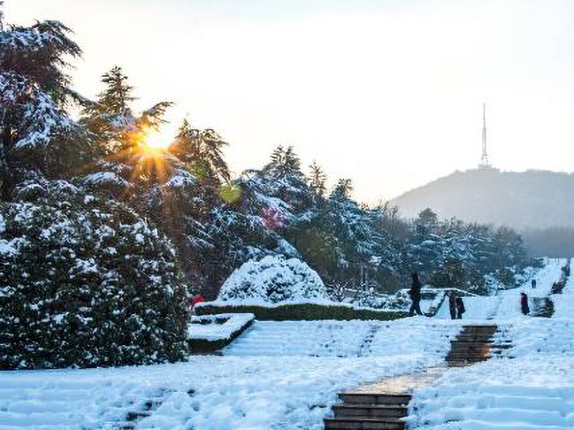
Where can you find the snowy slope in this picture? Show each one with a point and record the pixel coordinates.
(285, 375)
(533, 391)
(509, 307)
(506, 304)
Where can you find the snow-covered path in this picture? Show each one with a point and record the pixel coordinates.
(534, 390)
(506, 304)
(509, 308)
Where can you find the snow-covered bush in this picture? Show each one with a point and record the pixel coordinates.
(273, 279)
(85, 283)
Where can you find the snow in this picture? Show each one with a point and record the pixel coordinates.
(530, 387)
(285, 375)
(273, 279)
(101, 178)
(232, 392)
(345, 338)
(505, 305)
(213, 331)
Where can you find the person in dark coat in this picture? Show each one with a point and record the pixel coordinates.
(452, 305)
(460, 309)
(524, 304)
(415, 293)
(533, 283)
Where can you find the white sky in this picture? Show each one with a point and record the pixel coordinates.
(388, 93)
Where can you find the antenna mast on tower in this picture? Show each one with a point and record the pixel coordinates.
(484, 164)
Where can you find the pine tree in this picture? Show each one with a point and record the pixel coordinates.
(112, 121)
(35, 130)
(202, 151)
(1, 16)
(284, 162)
(317, 179)
(343, 189)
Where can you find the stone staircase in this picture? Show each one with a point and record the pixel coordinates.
(475, 344)
(384, 406)
(137, 412)
(369, 411)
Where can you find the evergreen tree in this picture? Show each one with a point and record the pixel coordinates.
(111, 120)
(284, 162)
(202, 151)
(89, 282)
(35, 130)
(317, 179)
(343, 189)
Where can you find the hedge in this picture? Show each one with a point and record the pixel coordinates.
(200, 346)
(303, 312)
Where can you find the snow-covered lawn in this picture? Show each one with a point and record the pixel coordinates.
(230, 392)
(527, 393)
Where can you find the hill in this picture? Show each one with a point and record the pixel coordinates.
(536, 203)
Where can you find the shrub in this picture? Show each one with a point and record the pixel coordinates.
(85, 283)
(273, 279)
(302, 312)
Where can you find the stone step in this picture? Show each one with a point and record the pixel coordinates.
(477, 333)
(465, 338)
(470, 342)
(471, 354)
(375, 399)
(137, 415)
(485, 347)
(473, 326)
(463, 357)
(371, 411)
(363, 424)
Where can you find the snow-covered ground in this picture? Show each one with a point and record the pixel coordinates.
(231, 392)
(506, 304)
(285, 375)
(530, 388)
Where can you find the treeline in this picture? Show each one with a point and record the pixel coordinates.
(215, 221)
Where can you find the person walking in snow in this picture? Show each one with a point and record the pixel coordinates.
(452, 304)
(460, 309)
(524, 304)
(533, 283)
(415, 294)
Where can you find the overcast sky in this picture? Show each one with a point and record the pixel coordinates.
(387, 93)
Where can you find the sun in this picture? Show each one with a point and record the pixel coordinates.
(155, 141)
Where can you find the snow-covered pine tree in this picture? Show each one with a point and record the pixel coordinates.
(85, 282)
(113, 122)
(35, 130)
